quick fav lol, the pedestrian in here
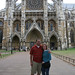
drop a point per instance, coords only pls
(46, 60)
(36, 58)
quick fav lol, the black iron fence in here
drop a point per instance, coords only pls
(65, 58)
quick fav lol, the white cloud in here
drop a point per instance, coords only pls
(2, 2)
(65, 1)
(19, 1)
(69, 1)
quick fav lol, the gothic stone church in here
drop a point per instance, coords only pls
(21, 24)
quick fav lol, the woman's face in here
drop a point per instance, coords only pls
(44, 47)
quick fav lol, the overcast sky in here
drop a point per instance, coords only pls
(2, 2)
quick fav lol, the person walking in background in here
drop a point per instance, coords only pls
(36, 58)
(46, 60)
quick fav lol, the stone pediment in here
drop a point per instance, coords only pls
(53, 33)
(36, 27)
(16, 34)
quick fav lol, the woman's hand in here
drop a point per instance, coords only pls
(43, 62)
(49, 50)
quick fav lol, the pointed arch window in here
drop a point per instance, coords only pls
(17, 25)
(51, 25)
(40, 24)
(28, 24)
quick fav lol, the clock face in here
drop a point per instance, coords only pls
(34, 4)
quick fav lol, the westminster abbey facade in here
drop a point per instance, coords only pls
(21, 24)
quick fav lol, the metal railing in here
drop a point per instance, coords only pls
(65, 58)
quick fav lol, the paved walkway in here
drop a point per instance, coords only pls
(18, 64)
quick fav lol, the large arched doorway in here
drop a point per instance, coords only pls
(53, 43)
(32, 36)
(15, 43)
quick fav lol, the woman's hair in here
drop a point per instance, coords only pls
(45, 45)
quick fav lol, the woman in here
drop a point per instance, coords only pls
(46, 60)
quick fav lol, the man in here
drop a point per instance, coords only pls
(36, 58)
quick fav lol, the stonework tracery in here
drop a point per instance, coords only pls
(34, 4)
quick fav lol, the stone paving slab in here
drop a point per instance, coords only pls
(19, 64)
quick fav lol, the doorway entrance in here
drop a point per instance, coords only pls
(32, 36)
(53, 43)
(15, 43)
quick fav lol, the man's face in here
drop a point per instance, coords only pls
(38, 42)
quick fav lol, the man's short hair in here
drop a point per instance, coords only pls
(37, 40)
